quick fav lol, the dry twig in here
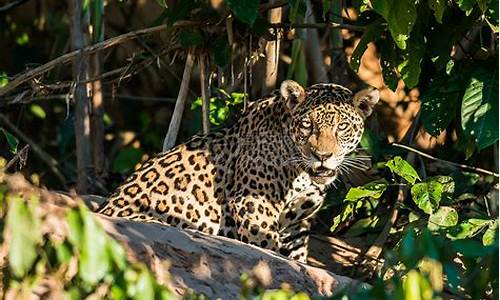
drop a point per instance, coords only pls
(44, 156)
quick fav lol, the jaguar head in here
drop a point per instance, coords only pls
(327, 124)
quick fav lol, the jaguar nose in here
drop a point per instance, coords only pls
(322, 156)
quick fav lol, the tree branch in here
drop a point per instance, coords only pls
(461, 166)
(175, 122)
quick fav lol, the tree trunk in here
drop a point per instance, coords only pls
(79, 26)
(313, 51)
(272, 53)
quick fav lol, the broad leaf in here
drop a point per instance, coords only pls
(373, 189)
(438, 6)
(400, 15)
(402, 168)
(468, 228)
(38, 111)
(372, 33)
(25, 234)
(466, 5)
(445, 216)
(480, 107)
(440, 102)
(126, 159)
(94, 260)
(410, 67)
(244, 10)
(490, 234)
(427, 195)
(11, 140)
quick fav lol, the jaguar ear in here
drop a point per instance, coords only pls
(292, 93)
(366, 99)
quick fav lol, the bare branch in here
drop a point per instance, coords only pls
(175, 122)
(461, 166)
(205, 92)
(44, 156)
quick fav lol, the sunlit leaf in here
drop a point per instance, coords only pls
(445, 216)
(468, 228)
(402, 168)
(491, 233)
(374, 189)
(94, 260)
(38, 111)
(400, 15)
(410, 67)
(24, 230)
(427, 195)
(480, 106)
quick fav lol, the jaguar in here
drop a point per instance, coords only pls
(260, 180)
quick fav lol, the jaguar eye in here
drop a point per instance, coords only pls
(342, 126)
(306, 123)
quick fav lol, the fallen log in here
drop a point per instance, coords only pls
(184, 260)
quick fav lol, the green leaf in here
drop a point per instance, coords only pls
(11, 140)
(38, 111)
(126, 159)
(445, 216)
(480, 107)
(410, 67)
(448, 187)
(466, 5)
(363, 226)
(346, 212)
(468, 228)
(416, 287)
(440, 102)
(490, 234)
(388, 61)
(94, 260)
(427, 195)
(24, 229)
(402, 168)
(400, 15)
(190, 37)
(438, 6)
(374, 189)
(244, 10)
(372, 33)
(144, 286)
(4, 80)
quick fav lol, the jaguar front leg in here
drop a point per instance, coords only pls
(294, 241)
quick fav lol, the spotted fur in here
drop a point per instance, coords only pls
(259, 181)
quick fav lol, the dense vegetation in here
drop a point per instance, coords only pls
(429, 223)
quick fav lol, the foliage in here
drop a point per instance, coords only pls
(438, 232)
(423, 38)
(447, 50)
(73, 253)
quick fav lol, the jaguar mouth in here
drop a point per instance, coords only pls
(323, 172)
